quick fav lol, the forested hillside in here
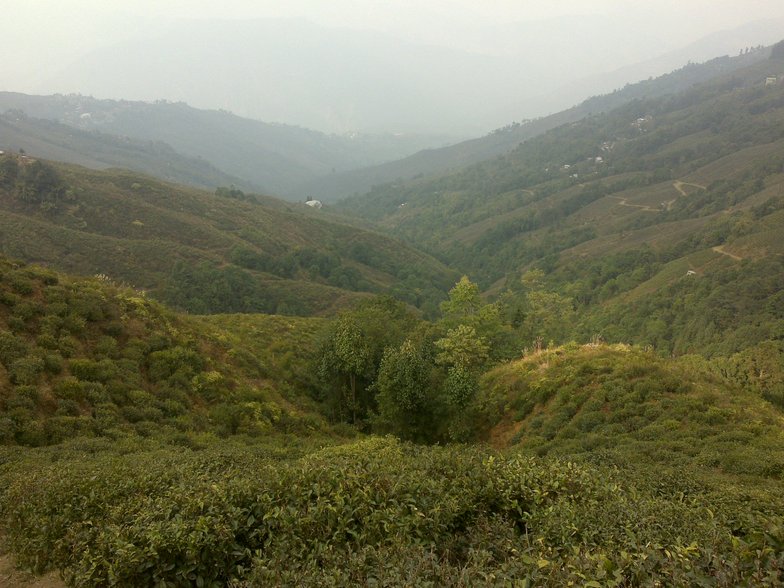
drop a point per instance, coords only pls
(657, 222)
(506, 139)
(222, 252)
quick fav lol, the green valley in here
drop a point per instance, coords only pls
(223, 252)
(559, 365)
(670, 199)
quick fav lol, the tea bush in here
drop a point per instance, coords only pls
(378, 512)
(110, 358)
(625, 400)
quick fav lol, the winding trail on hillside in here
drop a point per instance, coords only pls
(720, 249)
(667, 205)
(678, 185)
(646, 208)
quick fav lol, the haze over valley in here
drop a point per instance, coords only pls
(424, 294)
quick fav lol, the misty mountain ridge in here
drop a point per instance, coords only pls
(728, 42)
(50, 139)
(188, 145)
(265, 157)
(503, 140)
(367, 80)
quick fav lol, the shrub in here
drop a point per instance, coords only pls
(165, 364)
(26, 370)
(93, 371)
(11, 348)
(379, 512)
(70, 388)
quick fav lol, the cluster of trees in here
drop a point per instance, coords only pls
(206, 288)
(385, 370)
(325, 266)
(31, 182)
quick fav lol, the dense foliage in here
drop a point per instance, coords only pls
(380, 513)
(201, 252)
(87, 358)
(628, 406)
(146, 447)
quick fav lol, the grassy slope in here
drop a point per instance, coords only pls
(633, 406)
(136, 229)
(56, 141)
(84, 357)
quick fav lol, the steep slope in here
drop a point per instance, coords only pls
(82, 357)
(618, 208)
(202, 252)
(273, 158)
(634, 406)
(49, 139)
(504, 140)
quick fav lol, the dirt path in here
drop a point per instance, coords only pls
(720, 249)
(10, 577)
(678, 185)
(623, 202)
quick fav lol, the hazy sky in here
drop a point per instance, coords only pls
(42, 38)
(37, 27)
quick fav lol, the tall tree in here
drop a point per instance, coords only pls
(463, 302)
(549, 316)
(465, 307)
(403, 384)
(346, 355)
(353, 348)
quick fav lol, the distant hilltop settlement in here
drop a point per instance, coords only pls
(313, 203)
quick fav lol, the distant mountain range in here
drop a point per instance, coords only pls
(178, 140)
(212, 148)
(505, 139)
(344, 80)
(619, 207)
